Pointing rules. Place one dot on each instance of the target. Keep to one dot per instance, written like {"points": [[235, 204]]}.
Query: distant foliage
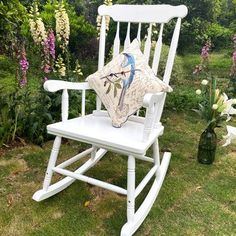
{"points": [[206, 19], [177, 72], [219, 35], [12, 15]]}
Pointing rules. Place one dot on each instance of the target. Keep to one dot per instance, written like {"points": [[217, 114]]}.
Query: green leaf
{"points": [[198, 112], [118, 85], [115, 91], [109, 89]]}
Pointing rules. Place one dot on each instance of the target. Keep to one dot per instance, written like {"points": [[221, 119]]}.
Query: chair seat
{"points": [[99, 131]]}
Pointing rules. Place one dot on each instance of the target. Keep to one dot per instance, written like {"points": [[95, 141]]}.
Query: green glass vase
{"points": [[207, 146]]}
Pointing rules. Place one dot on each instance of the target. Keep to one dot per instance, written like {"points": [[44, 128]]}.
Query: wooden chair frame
{"points": [[151, 125]]}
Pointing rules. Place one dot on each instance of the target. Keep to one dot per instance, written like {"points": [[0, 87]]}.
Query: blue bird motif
{"points": [[129, 61]]}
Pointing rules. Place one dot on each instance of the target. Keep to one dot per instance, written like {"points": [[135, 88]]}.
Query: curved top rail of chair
{"points": [[56, 85], [143, 13]]}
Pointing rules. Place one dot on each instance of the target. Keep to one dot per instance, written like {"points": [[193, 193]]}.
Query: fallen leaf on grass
{"points": [[87, 203], [198, 187], [57, 215], [9, 200]]}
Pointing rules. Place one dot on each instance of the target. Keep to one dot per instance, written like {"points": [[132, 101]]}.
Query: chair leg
{"points": [[131, 189], [156, 155], [51, 163], [136, 219], [52, 189]]}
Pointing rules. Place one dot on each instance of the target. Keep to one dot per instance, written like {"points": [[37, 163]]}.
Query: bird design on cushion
{"points": [[129, 61]]}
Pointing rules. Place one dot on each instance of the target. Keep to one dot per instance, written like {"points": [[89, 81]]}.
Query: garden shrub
{"points": [[177, 72], [219, 35], [82, 33], [183, 98]]}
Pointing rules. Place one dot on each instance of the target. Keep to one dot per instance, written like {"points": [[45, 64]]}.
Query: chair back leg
{"points": [[156, 155], [131, 188]]}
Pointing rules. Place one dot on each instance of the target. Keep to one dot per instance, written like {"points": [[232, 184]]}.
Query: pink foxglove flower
{"points": [[46, 68], [234, 57], [205, 51], [234, 40], [51, 44], [233, 68], [48, 53], [24, 66]]}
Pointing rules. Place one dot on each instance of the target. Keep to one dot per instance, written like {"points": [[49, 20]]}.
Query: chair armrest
{"points": [[154, 104], [56, 85], [151, 98]]}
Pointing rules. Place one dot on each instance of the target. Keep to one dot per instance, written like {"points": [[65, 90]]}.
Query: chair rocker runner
{"points": [[136, 136]]}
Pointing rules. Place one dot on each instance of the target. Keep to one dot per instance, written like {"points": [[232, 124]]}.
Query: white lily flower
{"points": [[229, 110], [231, 135]]}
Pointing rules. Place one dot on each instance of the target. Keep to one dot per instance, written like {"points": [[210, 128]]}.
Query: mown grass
{"points": [[219, 64], [195, 199]]}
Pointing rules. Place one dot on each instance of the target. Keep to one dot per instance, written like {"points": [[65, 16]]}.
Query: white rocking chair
{"points": [[136, 135]]}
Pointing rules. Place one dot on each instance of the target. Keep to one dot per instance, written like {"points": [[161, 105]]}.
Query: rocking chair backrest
{"points": [[140, 14]]}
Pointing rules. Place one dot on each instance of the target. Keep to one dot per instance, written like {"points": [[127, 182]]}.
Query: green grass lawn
{"points": [[195, 199], [219, 64]]}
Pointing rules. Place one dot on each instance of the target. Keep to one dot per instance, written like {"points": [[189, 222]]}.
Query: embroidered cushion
{"points": [[123, 82]]}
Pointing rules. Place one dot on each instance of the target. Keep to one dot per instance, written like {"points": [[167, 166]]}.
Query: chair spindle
{"points": [[148, 43], [101, 57], [65, 105], [157, 53], [139, 33], [127, 39], [116, 47]]}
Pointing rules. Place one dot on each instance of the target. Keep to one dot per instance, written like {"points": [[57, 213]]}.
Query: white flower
{"points": [[62, 25], [215, 107], [107, 18], [204, 82], [60, 66], [62, 71], [231, 135], [217, 93], [229, 110], [36, 24], [77, 69], [108, 2], [198, 91]]}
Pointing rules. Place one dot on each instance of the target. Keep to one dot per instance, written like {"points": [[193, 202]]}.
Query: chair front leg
{"points": [[52, 162], [131, 188]]}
